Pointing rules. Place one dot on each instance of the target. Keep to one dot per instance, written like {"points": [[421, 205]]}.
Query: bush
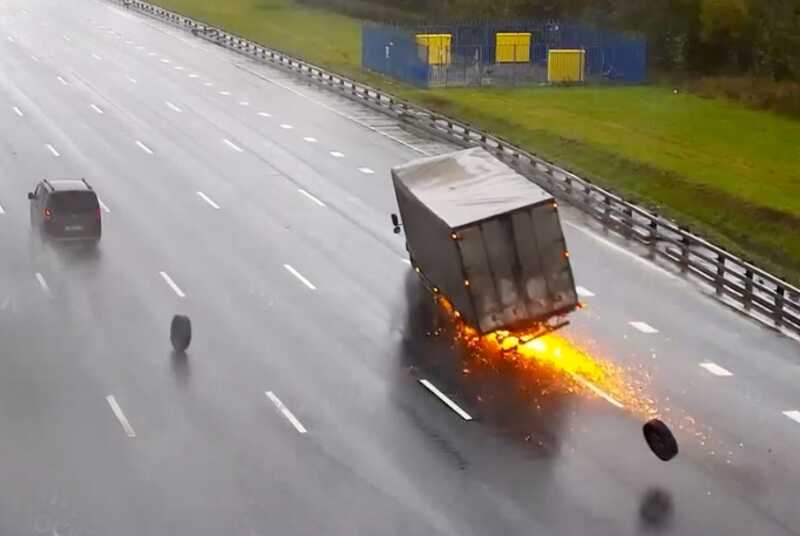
{"points": [[760, 93]]}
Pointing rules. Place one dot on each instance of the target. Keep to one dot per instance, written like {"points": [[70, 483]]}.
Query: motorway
{"points": [[259, 206]]}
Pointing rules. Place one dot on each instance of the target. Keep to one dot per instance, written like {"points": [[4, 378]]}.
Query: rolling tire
{"points": [[660, 440], [180, 332]]}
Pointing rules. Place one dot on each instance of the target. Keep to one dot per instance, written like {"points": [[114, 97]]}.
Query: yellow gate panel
{"points": [[435, 48], [513, 48], [566, 65]]}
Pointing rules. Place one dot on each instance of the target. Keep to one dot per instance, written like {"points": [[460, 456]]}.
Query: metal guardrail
{"points": [[736, 282]]}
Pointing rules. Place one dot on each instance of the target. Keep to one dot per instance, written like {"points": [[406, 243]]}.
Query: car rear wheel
{"points": [[181, 332]]}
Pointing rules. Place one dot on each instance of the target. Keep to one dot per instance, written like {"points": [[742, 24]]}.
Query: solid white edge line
{"points": [[208, 200], [232, 145], [144, 147], [97, 109], [441, 396], [715, 369], [172, 285], [596, 390], [299, 276], [622, 250], [18, 111], [311, 197], [52, 150], [126, 426], [42, 282], [644, 327], [173, 107], [792, 414], [407, 261], [103, 206], [286, 413]]}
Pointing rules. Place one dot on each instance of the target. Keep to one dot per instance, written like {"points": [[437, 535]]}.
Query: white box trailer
{"points": [[487, 239]]}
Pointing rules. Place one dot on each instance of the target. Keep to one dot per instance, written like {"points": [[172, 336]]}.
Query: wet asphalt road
{"points": [[259, 206]]}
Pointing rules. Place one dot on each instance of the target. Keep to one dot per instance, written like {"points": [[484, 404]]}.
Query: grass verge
{"points": [[731, 173]]}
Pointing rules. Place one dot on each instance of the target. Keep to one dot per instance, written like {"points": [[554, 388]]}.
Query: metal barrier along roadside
{"points": [[751, 290]]}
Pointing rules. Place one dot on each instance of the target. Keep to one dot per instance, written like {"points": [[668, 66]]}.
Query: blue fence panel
{"points": [[394, 53]]}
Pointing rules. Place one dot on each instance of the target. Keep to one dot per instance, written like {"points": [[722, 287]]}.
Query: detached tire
{"points": [[660, 440], [180, 332]]}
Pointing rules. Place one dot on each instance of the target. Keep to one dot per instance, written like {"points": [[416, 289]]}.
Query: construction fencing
{"points": [[500, 54]]}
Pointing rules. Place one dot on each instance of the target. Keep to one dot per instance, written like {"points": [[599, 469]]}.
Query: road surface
{"points": [[259, 206]]}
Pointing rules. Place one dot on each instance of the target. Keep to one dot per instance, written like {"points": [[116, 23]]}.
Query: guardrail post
{"points": [[748, 289], [628, 227], [652, 226], [685, 250], [780, 292], [606, 211], [719, 282]]}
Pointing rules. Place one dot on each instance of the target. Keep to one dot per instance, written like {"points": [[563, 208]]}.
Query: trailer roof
{"points": [[468, 186]]}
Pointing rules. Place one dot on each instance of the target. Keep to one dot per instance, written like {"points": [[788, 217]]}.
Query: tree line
{"points": [[758, 37]]}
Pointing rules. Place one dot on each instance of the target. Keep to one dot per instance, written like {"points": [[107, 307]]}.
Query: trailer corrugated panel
{"points": [[489, 239], [566, 65], [513, 47]]}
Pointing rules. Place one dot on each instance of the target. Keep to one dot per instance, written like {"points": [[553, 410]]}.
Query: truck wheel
{"points": [[660, 440], [180, 332]]}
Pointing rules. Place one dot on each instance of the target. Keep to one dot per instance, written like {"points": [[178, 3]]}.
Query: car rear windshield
{"points": [[73, 201]]}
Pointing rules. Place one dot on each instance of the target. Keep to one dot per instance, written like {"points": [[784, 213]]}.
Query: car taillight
{"points": [[48, 214]]}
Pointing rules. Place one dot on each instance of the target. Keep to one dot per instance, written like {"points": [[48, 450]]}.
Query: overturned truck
{"points": [[486, 239]]}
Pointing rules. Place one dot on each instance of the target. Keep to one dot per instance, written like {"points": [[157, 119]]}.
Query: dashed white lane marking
{"points": [[42, 283], [165, 60], [224, 93], [208, 200], [103, 206], [309, 139], [17, 111], [1, 210], [643, 327], [366, 170], [144, 147], [193, 75], [67, 39], [622, 250], [441, 396], [584, 292], [286, 413], [35, 58], [128, 42], [131, 80], [264, 114], [286, 126], [126, 426], [152, 53], [244, 103], [596, 390], [172, 285], [96, 109], [98, 58], [337, 154], [299, 276], [178, 68], [140, 47], [793, 414], [232, 145], [52, 150], [208, 84], [715, 369], [173, 107], [60, 79], [11, 39], [311, 197]]}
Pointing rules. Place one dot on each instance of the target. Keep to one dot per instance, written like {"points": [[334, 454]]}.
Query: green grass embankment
{"points": [[729, 172]]}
